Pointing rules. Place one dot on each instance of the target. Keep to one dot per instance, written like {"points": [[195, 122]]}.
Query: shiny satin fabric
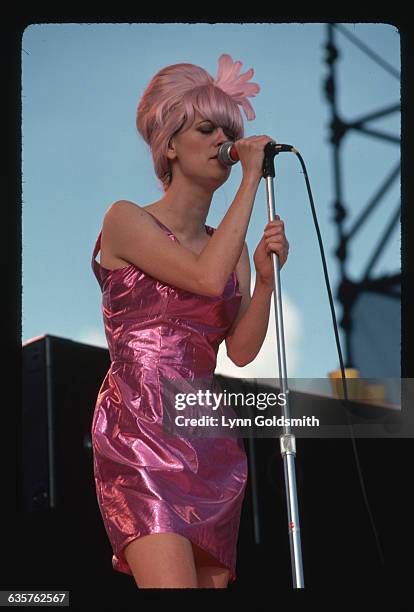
{"points": [[147, 481]]}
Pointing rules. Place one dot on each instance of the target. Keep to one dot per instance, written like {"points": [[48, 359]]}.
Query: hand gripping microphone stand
{"points": [[287, 439]]}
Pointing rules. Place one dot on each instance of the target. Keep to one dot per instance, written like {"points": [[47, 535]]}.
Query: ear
{"points": [[171, 152]]}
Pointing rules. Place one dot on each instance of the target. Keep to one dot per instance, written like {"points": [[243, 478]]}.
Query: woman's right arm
{"points": [[136, 237]]}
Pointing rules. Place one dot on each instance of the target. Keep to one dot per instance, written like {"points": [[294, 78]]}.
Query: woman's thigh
{"points": [[162, 560]]}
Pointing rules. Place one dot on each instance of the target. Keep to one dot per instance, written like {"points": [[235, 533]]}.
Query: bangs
{"points": [[215, 105]]}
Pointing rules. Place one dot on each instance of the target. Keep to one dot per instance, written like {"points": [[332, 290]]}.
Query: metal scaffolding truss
{"points": [[390, 285]]}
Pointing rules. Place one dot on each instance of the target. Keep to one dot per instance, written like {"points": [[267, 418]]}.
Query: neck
{"points": [[185, 208]]}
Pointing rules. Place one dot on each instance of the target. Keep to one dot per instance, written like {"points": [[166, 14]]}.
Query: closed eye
{"points": [[228, 133]]}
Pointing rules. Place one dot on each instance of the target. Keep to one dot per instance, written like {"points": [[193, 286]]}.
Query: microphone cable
{"points": [[344, 403]]}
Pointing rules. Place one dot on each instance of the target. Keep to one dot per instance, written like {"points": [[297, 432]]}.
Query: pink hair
{"points": [[173, 95]]}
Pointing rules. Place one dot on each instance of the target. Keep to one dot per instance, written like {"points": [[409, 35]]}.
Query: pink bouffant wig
{"points": [[177, 91]]}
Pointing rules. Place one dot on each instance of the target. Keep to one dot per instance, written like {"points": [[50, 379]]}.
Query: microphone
{"points": [[228, 153]]}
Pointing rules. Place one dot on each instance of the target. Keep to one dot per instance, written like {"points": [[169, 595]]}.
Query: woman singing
{"points": [[173, 288]]}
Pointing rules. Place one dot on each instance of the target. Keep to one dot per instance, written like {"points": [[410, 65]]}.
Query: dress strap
{"points": [[97, 247], [160, 223], [99, 271]]}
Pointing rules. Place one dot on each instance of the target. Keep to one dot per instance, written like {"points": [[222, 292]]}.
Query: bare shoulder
{"points": [[124, 222], [123, 207], [124, 212]]}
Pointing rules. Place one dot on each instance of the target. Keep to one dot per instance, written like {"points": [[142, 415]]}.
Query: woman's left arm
{"points": [[246, 337]]}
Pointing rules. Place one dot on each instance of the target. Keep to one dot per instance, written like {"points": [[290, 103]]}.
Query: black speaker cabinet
{"points": [[61, 380]]}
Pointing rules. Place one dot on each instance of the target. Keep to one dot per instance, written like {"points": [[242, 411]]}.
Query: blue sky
{"points": [[81, 84]]}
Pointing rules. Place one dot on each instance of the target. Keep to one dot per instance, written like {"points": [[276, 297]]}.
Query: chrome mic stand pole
{"points": [[287, 439]]}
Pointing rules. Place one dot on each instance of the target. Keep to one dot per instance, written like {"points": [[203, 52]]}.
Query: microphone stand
{"points": [[287, 439]]}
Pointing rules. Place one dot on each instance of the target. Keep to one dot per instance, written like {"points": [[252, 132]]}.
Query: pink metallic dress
{"points": [[146, 481]]}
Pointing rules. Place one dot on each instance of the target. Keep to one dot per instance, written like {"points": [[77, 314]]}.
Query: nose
{"points": [[221, 136]]}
